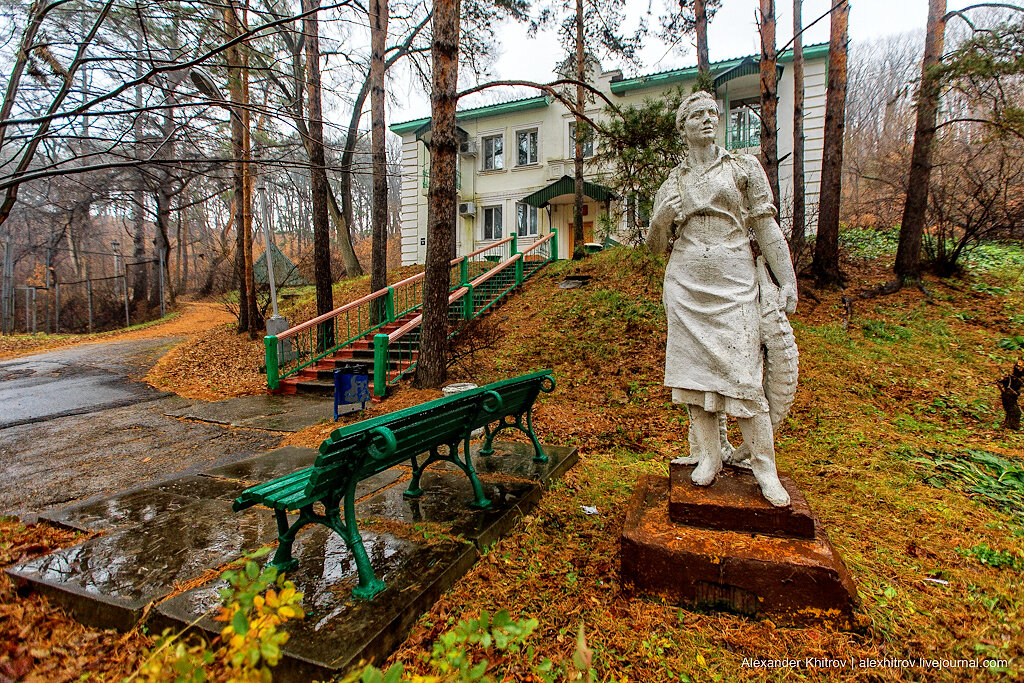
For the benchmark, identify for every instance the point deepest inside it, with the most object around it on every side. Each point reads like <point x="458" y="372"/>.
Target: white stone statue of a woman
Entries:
<point x="722" y="313"/>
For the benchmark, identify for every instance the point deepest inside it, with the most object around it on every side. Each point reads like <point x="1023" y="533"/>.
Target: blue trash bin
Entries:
<point x="351" y="385"/>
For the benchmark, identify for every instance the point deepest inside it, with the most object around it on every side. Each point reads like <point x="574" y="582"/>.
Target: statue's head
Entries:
<point x="697" y="118"/>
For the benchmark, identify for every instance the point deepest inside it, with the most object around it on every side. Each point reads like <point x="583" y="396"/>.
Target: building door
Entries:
<point x="588" y="234"/>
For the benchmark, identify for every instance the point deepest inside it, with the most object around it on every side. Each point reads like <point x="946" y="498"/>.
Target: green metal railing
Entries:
<point x="477" y="281"/>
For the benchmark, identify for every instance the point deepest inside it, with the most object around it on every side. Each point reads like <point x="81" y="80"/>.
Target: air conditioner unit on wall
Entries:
<point x="467" y="209"/>
<point x="468" y="148"/>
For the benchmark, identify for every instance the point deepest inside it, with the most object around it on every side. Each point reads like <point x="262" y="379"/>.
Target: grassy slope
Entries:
<point x="908" y="378"/>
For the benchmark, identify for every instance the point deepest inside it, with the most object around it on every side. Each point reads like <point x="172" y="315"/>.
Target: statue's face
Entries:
<point x="701" y="123"/>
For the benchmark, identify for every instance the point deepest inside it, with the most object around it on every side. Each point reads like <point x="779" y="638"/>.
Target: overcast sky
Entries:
<point x="732" y="33"/>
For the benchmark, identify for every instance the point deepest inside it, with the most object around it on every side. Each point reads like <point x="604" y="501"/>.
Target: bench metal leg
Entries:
<point x="414" y="490"/>
<point x="283" y="560"/>
<point x="369" y="584"/>
<point x="516" y="422"/>
<point x="480" y="501"/>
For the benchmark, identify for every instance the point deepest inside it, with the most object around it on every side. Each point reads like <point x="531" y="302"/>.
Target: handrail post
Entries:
<point x="380" y="364"/>
<point x="519" y="270"/>
<point x="515" y="245"/>
<point x="270" y="344"/>
<point x="554" y="244"/>
<point x="467" y="303"/>
<point x="464" y="271"/>
<point x="389" y="305"/>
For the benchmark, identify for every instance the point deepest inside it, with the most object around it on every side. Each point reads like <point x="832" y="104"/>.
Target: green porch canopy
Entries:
<point x="566" y="185"/>
<point x="286" y="273"/>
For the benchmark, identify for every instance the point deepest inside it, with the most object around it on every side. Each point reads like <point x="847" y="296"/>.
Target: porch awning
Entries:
<point x="748" y="67"/>
<point x="566" y="185"/>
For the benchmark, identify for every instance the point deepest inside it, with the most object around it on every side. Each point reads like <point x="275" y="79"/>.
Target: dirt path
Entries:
<point x="194" y="318"/>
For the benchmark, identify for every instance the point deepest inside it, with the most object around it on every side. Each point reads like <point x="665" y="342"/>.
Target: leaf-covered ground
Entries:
<point x="894" y="438"/>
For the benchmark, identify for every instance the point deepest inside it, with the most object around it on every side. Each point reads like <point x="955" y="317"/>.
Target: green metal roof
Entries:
<point x="670" y="78"/>
<point x="567" y="185"/>
<point x="748" y="67"/>
<point x="478" y="113"/>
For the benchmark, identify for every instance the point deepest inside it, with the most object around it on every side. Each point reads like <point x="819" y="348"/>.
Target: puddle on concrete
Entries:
<point x="202" y="487"/>
<point x="338" y="630"/>
<point x="122" y="510"/>
<point x="272" y="465"/>
<point x="445" y="500"/>
<point x="133" y="567"/>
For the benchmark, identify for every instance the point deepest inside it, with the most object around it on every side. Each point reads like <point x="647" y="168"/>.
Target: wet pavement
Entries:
<point x="162" y="537"/>
<point x="278" y="413"/>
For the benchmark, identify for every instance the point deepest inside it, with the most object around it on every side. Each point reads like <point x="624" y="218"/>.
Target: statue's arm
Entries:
<point x="776" y="254"/>
<point x="761" y="220"/>
<point x="659" y="234"/>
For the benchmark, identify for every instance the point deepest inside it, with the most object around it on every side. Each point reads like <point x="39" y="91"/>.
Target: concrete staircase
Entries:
<point x="319" y="378"/>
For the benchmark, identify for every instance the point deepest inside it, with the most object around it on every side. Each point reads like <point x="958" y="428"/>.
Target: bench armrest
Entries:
<point x="493" y="403"/>
<point x="385" y="449"/>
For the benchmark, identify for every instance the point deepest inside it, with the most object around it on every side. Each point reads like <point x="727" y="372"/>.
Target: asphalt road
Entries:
<point x="79" y="421"/>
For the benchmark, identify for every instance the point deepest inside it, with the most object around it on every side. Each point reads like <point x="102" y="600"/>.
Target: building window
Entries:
<point x="494" y="152"/>
<point x="588" y="142"/>
<point x="526" y="147"/>
<point x="744" y="124"/>
<point x="526" y="220"/>
<point x="492" y="223"/>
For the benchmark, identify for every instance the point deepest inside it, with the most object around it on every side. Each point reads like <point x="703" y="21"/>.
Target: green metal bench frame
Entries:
<point x="358" y="451"/>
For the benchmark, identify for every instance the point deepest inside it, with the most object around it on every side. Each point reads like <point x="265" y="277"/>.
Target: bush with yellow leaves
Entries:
<point x="256" y="604"/>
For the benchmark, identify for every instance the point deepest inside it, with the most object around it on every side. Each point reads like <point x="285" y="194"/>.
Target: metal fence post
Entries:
<point x="163" y="305"/>
<point x="124" y="281"/>
<point x="514" y="245"/>
<point x="519" y="270"/>
<point x="273" y="379"/>
<point x="467" y="304"/>
<point x="380" y="364"/>
<point x="389" y="305"/>
<point x="464" y="271"/>
<point x="88" y="291"/>
<point x="56" y="307"/>
<point x="554" y="244"/>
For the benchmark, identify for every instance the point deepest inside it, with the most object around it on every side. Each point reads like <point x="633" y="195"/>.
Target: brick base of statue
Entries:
<point x="724" y="547"/>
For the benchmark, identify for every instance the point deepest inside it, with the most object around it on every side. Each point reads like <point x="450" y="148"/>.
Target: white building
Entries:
<point x="524" y="147"/>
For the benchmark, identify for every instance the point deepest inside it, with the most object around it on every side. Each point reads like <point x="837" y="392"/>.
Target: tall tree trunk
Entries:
<point x="442" y="194"/>
<point x="140" y="273"/>
<point x="700" y="16"/>
<point x="769" y="99"/>
<point x="826" y="247"/>
<point x="238" y="168"/>
<point x="797" y="235"/>
<point x="255" y="317"/>
<point x="318" y="173"/>
<point x="908" y="254"/>
<point x="578" y="238"/>
<point x="379" y="249"/>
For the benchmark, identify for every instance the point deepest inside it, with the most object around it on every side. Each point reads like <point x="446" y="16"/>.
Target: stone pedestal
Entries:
<point x="725" y="547"/>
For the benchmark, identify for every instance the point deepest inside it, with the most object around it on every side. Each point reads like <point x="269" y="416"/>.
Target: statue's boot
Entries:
<point x="757" y="433"/>
<point x="704" y="441"/>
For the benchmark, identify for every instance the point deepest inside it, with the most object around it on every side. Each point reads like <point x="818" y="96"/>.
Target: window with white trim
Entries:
<point x="494" y="152"/>
<point x="588" y="142"/>
<point x="526" y="220"/>
<point x="527" y="147"/>
<point x="492" y="223"/>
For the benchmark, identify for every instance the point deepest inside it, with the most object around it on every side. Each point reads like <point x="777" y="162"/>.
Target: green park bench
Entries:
<point x="361" y="450"/>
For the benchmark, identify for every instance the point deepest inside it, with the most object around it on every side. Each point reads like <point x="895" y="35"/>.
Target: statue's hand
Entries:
<point x="788" y="295"/>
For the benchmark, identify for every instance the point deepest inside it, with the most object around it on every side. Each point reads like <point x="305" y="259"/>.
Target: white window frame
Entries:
<point x="527" y="230"/>
<point x="488" y="213"/>
<point x="526" y="131"/>
<point x="571" y="137"/>
<point x="484" y="139"/>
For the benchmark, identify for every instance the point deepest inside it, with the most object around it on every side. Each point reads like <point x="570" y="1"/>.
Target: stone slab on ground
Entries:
<point x="513" y="459"/>
<point x="795" y="581"/>
<point x="108" y="581"/>
<point x="734" y="502"/>
<point x="338" y="631"/>
<point x="271" y="412"/>
<point x="170" y="539"/>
